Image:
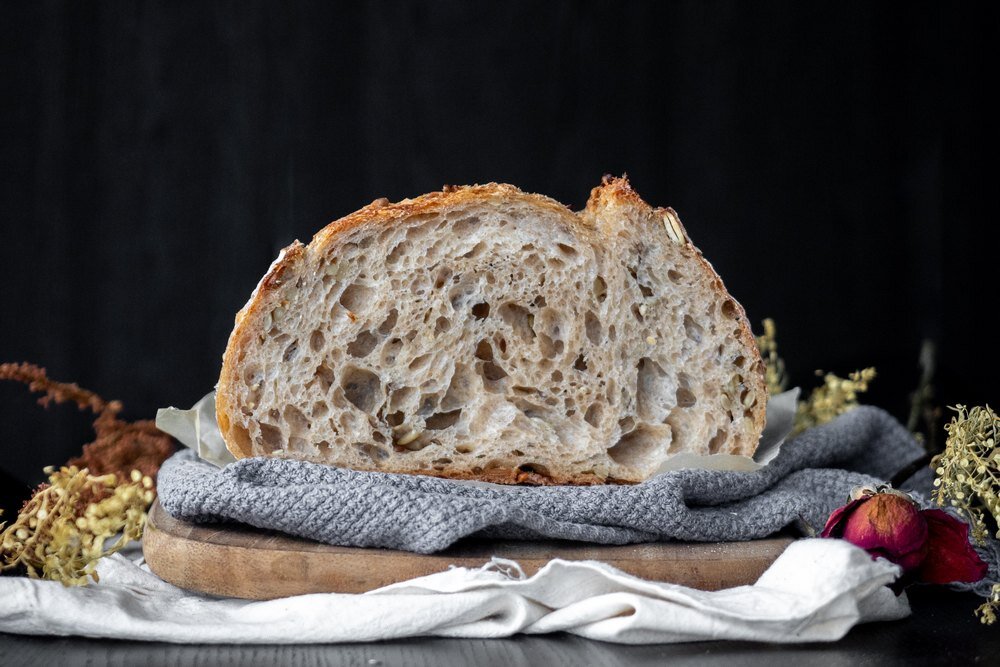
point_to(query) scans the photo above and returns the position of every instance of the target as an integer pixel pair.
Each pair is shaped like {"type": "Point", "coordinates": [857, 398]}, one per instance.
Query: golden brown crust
{"type": "Point", "coordinates": [612, 191]}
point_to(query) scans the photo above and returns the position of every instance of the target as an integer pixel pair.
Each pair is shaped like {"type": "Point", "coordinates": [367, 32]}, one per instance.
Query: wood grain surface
{"type": "Point", "coordinates": [238, 561]}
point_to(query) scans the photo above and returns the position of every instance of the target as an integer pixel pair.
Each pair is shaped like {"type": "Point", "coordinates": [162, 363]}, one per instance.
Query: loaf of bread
{"type": "Point", "coordinates": [485, 333]}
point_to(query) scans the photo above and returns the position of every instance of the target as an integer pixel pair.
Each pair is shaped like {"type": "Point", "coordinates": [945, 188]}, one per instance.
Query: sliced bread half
{"type": "Point", "coordinates": [485, 333]}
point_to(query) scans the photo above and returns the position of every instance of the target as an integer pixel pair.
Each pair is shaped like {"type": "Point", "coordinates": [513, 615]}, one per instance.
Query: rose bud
{"type": "Point", "coordinates": [930, 546]}
{"type": "Point", "coordinates": [885, 524]}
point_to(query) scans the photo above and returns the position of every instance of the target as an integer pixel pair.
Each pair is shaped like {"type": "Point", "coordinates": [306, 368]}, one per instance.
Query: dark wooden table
{"type": "Point", "coordinates": [942, 631]}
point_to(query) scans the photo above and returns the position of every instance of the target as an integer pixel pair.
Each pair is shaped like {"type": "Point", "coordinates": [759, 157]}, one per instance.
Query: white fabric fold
{"type": "Point", "coordinates": [816, 591]}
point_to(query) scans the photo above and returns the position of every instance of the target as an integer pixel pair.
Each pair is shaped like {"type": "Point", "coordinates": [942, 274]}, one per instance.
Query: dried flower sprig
{"type": "Point", "coordinates": [834, 397]}
{"type": "Point", "coordinates": [61, 532]}
{"type": "Point", "coordinates": [120, 446]}
{"type": "Point", "coordinates": [967, 477]}
{"type": "Point", "coordinates": [968, 470]}
{"type": "Point", "coordinates": [987, 612]}
{"type": "Point", "coordinates": [774, 366]}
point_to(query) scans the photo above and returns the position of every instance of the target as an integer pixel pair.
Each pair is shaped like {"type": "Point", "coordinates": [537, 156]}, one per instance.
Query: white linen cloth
{"type": "Point", "coordinates": [816, 591]}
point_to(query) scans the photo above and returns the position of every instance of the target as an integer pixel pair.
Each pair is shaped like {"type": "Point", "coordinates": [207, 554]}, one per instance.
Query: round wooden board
{"type": "Point", "coordinates": [234, 560]}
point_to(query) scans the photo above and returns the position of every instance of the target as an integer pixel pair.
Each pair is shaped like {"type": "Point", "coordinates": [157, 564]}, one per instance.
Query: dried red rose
{"type": "Point", "coordinates": [930, 545]}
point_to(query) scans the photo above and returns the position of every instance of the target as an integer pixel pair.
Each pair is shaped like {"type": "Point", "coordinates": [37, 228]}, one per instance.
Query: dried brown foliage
{"type": "Point", "coordinates": [120, 446]}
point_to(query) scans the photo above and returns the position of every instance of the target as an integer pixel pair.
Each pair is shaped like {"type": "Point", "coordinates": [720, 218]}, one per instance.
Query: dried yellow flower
{"type": "Point", "coordinates": [987, 611]}
{"type": "Point", "coordinates": [774, 366]}
{"type": "Point", "coordinates": [61, 531]}
{"type": "Point", "coordinates": [968, 470]}
{"type": "Point", "coordinates": [967, 477]}
{"type": "Point", "coordinates": [834, 397]}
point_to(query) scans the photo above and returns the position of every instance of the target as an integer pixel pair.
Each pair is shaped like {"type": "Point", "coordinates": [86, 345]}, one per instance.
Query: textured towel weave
{"type": "Point", "coordinates": [811, 476]}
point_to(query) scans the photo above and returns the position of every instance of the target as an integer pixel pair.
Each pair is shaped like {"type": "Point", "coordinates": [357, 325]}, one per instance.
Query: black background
{"type": "Point", "coordinates": [832, 161]}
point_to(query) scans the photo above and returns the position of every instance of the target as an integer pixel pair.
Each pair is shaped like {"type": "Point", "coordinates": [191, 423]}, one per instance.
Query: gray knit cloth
{"type": "Point", "coordinates": [810, 477]}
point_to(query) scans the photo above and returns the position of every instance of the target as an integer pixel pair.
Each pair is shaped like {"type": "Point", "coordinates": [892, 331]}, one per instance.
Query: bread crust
{"type": "Point", "coordinates": [613, 191]}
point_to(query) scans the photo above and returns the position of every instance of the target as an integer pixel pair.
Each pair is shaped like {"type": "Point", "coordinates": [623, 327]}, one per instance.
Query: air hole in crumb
{"type": "Point", "coordinates": [557, 376]}
{"type": "Point", "coordinates": [363, 389]}
{"type": "Point", "coordinates": [272, 436]}
{"type": "Point", "coordinates": [391, 350]}
{"type": "Point", "coordinates": [395, 419]}
{"type": "Point", "coordinates": [566, 249]}
{"type": "Point", "coordinates": [252, 375]}
{"type": "Point", "coordinates": [521, 389]}
{"type": "Point", "coordinates": [692, 329]}
{"type": "Point", "coordinates": [740, 361]}
{"type": "Point", "coordinates": [362, 345]}
{"type": "Point", "coordinates": [612, 333]}
{"type": "Point", "coordinates": [475, 251]}
{"type": "Point", "coordinates": [626, 424]}
{"type": "Point", "coordinates": [481, 310]}
{"type": "Point", "coordinates": [730, 309]}
{"type": "Point", "coordinates": [674, 276]}
{"type": "Point", "coordinates": [389, 323]}
{"type": "Point", "coordinates": [396, 253]}
{"type": "Point", "coordinates": [297, 421]}
{"type": "Point", "coordinates": [371, 451]}
{"type": "Point", "coordinates": [530, 410]}
{"type": "Point", "coordinates": [401, 396]}
{"type": "Point", "coordinates": [493, 372]}
{"type": "Point", "coordinates": [593, 414]}
{"type": "Point", "coordinates": [464, 449]}
{"type": "Point", "coordinates": [428, 405]}
{"type": "Point", "coordinates": [534, 468]}
{"type": "Point", "coordinates": [592, 325]}
{"type": "Point", "coordinates": [600, 289]}
{"type": "Point", "coordinates": [324, 447]}
{"type": "Point", "coordinates": [550, 348]}
{"type": "Point", "coordinates": [443, 420]}
{"type": "Point", "coordinates": [419, 363]}
{"type": "Point", "coordinates": [519, 319]}
{"type": "Point", "coordinates": [484, 351]}
{"type": "Point", "coordinates": [356, 297]}
{"type": "Point", "coordinates": [441, 325]}
{"type": "Point", "coordinates": [443, 275]}
{"type": "Point", "coordinates": [539, 301]}
{"type": "Point", "coordinates": [636, 447]}
{"type": "Point", "coordinates": [291, 351]}
{"type": "Point", "coordinates": [685, 398]}
{"type": "Point", "coordinates": [502, 344]}
{"type": "Point", "coordinates": [378, 437]}
{"type": "Point", "coordinates": [320, 409]}
{"type": "Point", "coordinates": [325, 375]}
{"type": "Point", "coordinates": [580, 364]}
{"type": "Point", "coordinates": [645, 290]}
{"type": "Point", "coordinates": [316, 341]}
{"type": "Point", "coordinates": [637, 313]}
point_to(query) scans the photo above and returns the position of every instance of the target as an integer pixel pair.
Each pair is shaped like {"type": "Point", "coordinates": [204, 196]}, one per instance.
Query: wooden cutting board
{"type": "Point", "coordinates": [238, 561]}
